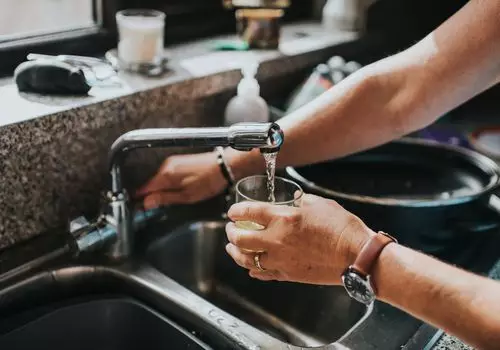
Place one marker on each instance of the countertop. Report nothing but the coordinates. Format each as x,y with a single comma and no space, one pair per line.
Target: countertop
187,61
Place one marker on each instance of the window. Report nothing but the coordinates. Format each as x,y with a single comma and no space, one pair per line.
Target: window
88,27
22,18
53,27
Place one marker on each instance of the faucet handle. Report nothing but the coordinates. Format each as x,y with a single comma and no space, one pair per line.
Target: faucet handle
90,236
81,229
78,224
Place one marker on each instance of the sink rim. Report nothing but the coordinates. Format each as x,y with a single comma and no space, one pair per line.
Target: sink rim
140,277
163,294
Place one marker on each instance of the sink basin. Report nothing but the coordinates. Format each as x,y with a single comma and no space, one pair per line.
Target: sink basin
111,324
298,314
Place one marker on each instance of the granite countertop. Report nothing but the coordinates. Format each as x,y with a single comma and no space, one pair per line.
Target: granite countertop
191,60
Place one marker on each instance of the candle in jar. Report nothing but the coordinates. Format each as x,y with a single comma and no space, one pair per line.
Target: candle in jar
141,34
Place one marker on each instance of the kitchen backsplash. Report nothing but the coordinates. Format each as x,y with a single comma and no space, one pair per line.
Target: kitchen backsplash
54,168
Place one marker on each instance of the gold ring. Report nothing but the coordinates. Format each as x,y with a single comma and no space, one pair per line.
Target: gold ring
256,260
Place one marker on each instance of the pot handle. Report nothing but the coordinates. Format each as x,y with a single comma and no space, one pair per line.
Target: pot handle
494,203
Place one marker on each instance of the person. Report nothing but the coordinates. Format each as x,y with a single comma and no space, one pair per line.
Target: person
317,241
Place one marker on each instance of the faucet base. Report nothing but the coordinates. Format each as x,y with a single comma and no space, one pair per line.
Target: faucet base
120,218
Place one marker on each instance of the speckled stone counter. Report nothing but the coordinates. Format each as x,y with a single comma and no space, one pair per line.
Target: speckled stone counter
53,150
448,342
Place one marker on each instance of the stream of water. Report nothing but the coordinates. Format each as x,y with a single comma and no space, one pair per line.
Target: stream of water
270,159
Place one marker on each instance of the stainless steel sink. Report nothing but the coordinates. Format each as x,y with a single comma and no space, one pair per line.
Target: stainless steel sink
128,306
298,314
110,323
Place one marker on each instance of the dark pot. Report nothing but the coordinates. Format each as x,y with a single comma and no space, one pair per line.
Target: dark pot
425,194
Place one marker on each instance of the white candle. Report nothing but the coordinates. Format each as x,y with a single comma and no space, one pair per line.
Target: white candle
141,34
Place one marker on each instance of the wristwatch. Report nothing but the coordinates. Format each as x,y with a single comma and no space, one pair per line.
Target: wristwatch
356,278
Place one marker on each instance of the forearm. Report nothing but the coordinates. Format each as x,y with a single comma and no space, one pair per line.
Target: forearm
362,111
457,301
394,96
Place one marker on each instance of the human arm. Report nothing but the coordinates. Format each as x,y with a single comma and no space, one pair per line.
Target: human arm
318,241
381,102
395,96
459,302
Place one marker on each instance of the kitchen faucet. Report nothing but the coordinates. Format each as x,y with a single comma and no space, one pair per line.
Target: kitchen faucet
118,223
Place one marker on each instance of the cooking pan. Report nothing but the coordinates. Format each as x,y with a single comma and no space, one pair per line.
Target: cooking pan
424,193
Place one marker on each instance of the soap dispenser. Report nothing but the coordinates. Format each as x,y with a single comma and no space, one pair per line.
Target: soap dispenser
247,105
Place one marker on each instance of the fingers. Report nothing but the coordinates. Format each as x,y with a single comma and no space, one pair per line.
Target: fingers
247,260
260,213
159,199
246,239
153,185
167,178
268,275
159,182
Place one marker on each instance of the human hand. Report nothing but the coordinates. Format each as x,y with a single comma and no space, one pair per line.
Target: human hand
184,179
311,244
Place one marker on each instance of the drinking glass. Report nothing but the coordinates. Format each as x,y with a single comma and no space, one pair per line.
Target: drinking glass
255,189
141,37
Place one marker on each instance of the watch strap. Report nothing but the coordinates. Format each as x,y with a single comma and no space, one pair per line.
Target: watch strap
370,252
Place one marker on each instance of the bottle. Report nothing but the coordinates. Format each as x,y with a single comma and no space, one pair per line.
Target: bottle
351,67
341,69
317,83
342,15
337,71
247,105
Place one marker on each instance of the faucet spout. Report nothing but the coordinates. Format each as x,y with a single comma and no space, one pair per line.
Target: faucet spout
268,137
246,136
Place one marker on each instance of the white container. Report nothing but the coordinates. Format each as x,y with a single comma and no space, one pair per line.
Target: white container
141,35
247,105
344,15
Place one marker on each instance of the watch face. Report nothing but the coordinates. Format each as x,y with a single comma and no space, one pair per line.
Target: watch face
358,287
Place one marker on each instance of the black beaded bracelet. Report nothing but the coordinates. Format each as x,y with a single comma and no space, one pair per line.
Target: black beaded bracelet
226,171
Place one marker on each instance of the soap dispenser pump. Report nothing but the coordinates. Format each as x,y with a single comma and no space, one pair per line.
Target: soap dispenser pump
247,105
